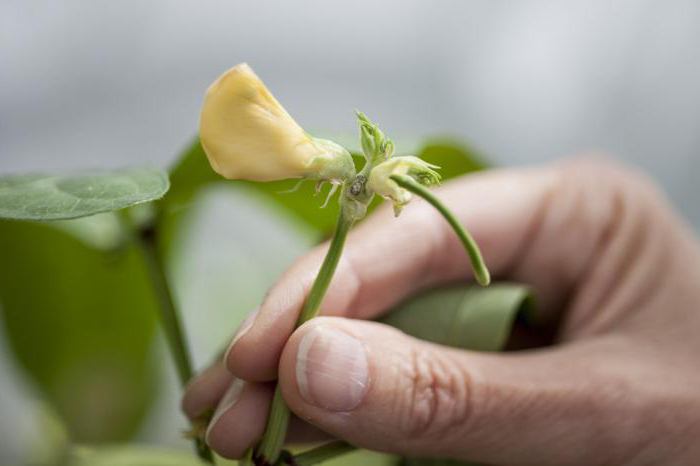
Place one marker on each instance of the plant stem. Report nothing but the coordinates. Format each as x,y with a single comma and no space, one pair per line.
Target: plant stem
481,273
270,446
146,240
169,317
325,273
322,453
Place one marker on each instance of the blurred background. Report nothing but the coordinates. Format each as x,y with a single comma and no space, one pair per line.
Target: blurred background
96,84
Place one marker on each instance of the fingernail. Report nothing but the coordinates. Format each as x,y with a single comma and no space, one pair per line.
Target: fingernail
229,399
332,369
242,330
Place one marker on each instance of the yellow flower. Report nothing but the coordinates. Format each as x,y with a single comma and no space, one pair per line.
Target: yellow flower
248,135
380,181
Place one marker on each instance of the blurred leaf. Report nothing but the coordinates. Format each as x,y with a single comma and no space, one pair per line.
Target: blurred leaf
434,462
364,458
81,323
190,173
131,455
50,444
101,231
454,158
47,197
468,317
193,173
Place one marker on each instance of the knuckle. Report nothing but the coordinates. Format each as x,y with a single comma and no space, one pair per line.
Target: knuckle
597,193
438,397
610,215
601,169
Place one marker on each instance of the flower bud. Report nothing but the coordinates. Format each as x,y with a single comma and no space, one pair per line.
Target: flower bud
374,143
380,181
367,140
248,135
388,148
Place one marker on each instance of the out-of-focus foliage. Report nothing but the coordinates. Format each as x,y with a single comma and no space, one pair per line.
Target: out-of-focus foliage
78,308
131,455
364,458
462,316
467,317
80,321
193,173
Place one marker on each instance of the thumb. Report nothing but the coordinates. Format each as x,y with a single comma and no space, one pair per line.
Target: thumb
378,388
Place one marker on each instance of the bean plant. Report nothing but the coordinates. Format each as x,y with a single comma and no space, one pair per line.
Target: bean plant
85,268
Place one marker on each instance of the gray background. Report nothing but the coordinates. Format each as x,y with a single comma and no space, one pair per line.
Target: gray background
107,84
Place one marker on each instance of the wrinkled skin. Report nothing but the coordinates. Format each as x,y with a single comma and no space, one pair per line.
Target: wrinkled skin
616,272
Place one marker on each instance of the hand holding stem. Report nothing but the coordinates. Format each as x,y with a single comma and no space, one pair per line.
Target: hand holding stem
355,198
246,134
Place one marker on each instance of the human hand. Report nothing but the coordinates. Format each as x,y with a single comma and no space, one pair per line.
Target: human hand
612,267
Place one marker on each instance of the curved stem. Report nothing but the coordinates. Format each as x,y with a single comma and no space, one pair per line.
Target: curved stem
270,446
481,273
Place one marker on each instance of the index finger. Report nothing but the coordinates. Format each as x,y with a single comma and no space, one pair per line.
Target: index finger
387,259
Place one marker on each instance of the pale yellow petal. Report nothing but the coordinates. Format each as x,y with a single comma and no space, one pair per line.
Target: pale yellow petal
247,134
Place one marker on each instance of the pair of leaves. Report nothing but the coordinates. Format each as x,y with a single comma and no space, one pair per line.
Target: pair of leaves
76,305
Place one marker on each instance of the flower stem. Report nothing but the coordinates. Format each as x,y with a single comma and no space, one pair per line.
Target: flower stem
481,273
146,240
270,446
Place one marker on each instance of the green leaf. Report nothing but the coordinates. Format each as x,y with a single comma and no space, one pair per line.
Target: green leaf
453,157
467,317
50,443
49,197
130,455
364,458
80,321
192,173
101,231
434,462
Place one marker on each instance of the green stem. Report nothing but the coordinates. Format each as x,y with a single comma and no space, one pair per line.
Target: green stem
270,446
169,317
322,453
481,273
325,274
